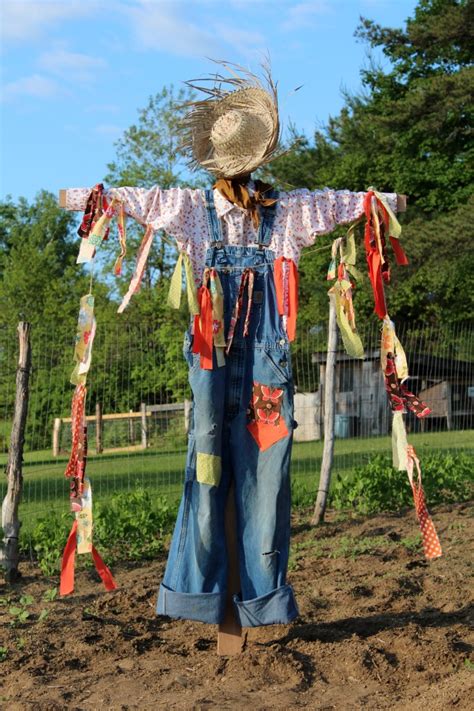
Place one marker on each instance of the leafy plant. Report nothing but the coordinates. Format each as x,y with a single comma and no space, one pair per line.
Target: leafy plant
3,653
20,612
50,595
132,526
128,526
377,486
48,539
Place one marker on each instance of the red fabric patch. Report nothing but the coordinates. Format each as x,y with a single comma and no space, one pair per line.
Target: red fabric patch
266,425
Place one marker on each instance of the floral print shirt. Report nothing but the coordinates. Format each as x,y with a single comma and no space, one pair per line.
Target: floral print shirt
301,215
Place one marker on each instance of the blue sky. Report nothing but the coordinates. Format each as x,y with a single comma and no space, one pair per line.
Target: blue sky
74,72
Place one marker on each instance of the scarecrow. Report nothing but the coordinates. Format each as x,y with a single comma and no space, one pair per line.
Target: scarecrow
239,243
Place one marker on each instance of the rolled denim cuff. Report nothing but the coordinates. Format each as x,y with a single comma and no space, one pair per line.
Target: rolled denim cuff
277,607
202,607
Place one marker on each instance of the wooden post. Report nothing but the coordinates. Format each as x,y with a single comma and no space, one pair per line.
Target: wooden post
56,436
99,447
329,416
144,429
229,639
131,433
9,554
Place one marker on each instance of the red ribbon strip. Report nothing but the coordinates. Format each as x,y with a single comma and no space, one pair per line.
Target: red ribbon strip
286,284
374,259
203,335
66,584
103,571
400,255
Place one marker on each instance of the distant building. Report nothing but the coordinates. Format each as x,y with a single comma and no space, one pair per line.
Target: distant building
362,409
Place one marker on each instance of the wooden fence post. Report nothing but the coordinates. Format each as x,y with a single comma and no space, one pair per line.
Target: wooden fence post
329,416
131,431
56,436
9,554
144,428
99,447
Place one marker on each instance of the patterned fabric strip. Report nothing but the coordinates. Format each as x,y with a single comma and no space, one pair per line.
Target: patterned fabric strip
217,296
98,234
394,226
122,234
174,294
341,293
238,308
285,275
250,285
399,442
142,257
76,466
431,544
86,327
84,520
95,206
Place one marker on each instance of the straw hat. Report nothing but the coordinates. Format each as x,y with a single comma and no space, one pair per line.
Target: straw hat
236,129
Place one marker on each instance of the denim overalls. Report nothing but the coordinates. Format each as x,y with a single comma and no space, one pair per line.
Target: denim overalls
242,428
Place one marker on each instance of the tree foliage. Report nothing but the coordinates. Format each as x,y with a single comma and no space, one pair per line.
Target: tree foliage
410,130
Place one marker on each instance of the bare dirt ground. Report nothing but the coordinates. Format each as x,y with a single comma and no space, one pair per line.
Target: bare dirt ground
379,628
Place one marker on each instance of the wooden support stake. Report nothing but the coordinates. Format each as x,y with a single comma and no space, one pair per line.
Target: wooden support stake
144,427
9,553
329,416
99,448
56,436
230,640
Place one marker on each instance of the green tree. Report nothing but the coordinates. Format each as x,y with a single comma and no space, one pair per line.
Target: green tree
410,130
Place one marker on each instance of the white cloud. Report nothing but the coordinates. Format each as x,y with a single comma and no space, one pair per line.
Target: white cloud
244,41
159,26
71,65
35,85
304,13
109,130
174,27
24,20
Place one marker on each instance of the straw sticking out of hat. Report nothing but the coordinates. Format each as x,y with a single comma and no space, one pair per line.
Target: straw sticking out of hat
236,128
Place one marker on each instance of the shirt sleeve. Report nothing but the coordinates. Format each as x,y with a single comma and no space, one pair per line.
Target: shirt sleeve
309,214
180,212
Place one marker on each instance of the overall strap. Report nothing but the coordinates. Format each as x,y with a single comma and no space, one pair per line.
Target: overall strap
268,213
214,224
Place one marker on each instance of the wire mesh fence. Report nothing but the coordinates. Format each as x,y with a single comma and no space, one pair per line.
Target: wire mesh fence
139,398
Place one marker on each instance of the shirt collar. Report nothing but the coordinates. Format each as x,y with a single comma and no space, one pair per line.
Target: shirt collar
224,206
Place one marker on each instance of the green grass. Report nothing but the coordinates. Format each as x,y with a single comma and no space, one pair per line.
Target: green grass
161,473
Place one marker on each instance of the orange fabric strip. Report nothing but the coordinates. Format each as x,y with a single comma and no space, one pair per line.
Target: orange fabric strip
66,584
400,256
203,335
103,570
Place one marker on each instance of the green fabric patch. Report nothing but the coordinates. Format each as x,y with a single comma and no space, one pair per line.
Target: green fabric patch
208,469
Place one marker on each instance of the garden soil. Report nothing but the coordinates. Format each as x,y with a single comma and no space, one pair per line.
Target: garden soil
379,628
